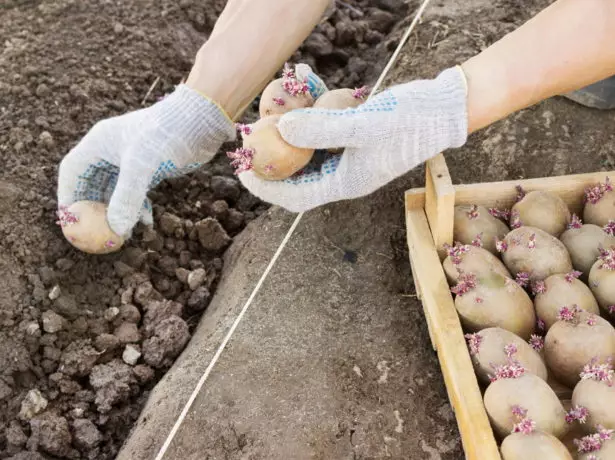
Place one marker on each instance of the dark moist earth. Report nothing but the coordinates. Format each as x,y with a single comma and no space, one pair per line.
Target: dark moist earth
84,338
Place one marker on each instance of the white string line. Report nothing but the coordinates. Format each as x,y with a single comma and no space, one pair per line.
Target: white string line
275,257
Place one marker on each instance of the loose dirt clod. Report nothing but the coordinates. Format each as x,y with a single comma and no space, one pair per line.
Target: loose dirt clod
165,342
51,434
86,435
113,384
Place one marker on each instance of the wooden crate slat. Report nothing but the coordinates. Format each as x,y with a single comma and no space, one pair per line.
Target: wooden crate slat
439,202
447,337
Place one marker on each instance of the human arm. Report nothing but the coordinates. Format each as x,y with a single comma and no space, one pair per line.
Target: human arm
567,46
123,157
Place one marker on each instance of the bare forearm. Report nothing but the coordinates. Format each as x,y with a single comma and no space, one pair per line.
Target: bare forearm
250,42
567,46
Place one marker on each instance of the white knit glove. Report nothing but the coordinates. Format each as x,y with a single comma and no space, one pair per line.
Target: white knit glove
385,137
122,157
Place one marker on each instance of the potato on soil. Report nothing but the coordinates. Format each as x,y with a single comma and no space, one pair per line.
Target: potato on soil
572,343
471,221
84,224
471,259
536,252
599,207
492,300
272,157
489,347
536,445
533,394
275,100
602,280
543,210
598,398
583,242
559,291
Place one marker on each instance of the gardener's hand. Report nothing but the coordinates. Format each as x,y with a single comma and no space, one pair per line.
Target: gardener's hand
121,158
385,137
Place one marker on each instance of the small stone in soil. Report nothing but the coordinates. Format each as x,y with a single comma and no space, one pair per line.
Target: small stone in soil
55,292
196,278
111,313
34,403
131,355
33,329
52,322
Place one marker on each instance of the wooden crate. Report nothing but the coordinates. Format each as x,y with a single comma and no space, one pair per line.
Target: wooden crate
429,223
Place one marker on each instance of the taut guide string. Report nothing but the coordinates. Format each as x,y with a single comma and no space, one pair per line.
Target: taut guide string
290,232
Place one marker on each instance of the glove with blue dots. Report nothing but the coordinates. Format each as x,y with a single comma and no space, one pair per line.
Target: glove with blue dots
121,158
383,138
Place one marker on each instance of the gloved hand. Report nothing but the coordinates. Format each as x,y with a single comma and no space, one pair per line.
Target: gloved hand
122,157
385,137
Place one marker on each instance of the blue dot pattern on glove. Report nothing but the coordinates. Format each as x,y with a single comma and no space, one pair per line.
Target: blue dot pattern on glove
312,173
92,183
98,181
168,169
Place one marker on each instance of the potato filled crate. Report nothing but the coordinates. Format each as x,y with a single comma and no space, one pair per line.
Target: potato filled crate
429,226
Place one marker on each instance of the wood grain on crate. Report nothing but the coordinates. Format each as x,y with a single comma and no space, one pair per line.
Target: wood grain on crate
448,340
429,222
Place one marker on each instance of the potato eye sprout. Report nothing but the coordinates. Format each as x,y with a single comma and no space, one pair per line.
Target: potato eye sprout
84,225
264,151
599,204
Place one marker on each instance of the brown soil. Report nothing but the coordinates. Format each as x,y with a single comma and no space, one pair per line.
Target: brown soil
69,321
